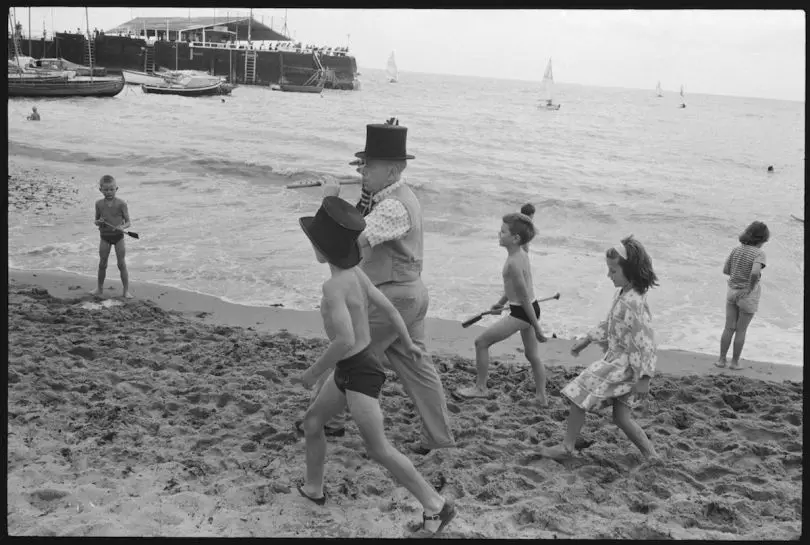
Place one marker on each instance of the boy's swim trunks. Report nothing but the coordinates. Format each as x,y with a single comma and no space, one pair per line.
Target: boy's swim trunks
518,312
112,238
360,373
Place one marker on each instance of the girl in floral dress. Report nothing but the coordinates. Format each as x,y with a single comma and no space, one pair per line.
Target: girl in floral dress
625,370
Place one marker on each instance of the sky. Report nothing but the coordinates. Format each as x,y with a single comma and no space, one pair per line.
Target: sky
753,53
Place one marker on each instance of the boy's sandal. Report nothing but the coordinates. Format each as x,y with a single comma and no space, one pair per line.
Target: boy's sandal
445,516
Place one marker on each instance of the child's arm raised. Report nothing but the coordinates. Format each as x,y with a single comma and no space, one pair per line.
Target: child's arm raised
515,274
337,315
379,300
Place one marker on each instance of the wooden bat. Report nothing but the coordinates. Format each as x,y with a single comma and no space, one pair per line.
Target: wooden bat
316,183
478,317
130,233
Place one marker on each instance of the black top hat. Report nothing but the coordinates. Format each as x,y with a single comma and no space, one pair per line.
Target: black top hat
334,230
384,141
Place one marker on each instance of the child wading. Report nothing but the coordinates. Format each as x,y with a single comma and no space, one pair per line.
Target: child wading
744,268
358,377
524,311
112,219
629,361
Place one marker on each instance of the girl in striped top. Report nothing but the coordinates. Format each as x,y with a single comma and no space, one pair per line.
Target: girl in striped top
744,268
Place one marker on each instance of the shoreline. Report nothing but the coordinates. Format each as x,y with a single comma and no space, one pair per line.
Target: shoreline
444,337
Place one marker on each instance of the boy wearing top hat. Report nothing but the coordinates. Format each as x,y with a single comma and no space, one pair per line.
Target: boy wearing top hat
392,246
357,377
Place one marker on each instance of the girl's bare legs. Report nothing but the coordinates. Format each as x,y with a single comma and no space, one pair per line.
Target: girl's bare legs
576,419
623,418
728,332
743,322
330,401
367,415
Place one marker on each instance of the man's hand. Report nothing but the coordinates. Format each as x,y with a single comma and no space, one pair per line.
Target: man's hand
330,187
415,351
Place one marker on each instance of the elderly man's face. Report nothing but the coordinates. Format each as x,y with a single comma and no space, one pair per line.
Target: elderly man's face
376,174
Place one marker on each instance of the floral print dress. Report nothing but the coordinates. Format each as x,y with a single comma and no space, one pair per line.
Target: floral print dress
629,344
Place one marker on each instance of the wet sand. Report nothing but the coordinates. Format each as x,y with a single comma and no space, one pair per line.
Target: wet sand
173,415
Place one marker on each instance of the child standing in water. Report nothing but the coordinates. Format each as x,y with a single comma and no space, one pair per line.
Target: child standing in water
744,268
112,219
629,361
358,377
524,311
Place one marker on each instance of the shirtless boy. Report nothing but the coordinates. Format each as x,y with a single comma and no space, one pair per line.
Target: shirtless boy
358,377
112,219
524,311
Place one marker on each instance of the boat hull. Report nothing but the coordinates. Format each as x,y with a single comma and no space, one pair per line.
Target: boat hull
211,90
77,87
301,88
133,77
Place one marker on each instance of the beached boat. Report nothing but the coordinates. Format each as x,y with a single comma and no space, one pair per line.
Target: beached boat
547,102
79,86
391,69
658,91
182,90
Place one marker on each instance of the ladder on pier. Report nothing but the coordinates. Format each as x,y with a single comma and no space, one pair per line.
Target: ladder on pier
250,67
149,59
89,52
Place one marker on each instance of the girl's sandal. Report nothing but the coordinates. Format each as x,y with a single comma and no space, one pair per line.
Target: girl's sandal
444,517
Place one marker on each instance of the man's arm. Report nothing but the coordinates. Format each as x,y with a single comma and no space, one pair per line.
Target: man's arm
339,318
388,221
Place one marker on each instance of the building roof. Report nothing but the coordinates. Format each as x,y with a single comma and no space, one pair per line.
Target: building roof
258,31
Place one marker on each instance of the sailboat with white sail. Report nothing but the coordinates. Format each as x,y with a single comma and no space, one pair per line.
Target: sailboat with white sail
683,98
548,90
391,69
658,91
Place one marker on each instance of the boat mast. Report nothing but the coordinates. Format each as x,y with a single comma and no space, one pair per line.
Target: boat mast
250,21
13,22
90,51
29,31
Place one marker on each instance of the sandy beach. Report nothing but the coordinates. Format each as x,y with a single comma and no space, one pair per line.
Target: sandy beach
173,415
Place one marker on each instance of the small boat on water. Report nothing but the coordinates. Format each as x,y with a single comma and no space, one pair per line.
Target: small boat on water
547,102
391,69
683,98
301,88
217,88
133,77
78,86
658,91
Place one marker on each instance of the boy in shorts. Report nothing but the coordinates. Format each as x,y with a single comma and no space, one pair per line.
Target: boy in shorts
524,311
358,377
112,219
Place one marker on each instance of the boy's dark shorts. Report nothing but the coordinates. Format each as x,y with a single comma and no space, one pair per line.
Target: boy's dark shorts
517,311
113,238
360,373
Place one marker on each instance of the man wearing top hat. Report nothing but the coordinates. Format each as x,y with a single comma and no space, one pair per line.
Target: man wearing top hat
392,248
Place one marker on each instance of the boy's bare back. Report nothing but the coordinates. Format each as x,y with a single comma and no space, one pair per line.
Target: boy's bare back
344,308
517,265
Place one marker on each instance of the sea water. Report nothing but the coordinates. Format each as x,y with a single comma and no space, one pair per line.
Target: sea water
204,180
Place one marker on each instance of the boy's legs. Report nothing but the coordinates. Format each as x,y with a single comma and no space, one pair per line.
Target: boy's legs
728,331
337,422
120,256
103,254
623,418
330,401
367,415
532,350
743,321
500,330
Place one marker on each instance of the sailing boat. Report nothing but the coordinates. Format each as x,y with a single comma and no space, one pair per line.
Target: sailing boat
391,69
683,99
658,91
548,89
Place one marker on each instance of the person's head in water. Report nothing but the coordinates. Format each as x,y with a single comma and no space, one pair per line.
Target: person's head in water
770,168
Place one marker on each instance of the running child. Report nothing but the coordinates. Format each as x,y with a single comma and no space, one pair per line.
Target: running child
524,310
358,377
628,364
744,268
112,219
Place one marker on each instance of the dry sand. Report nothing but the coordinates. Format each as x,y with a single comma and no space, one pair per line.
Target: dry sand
172,415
